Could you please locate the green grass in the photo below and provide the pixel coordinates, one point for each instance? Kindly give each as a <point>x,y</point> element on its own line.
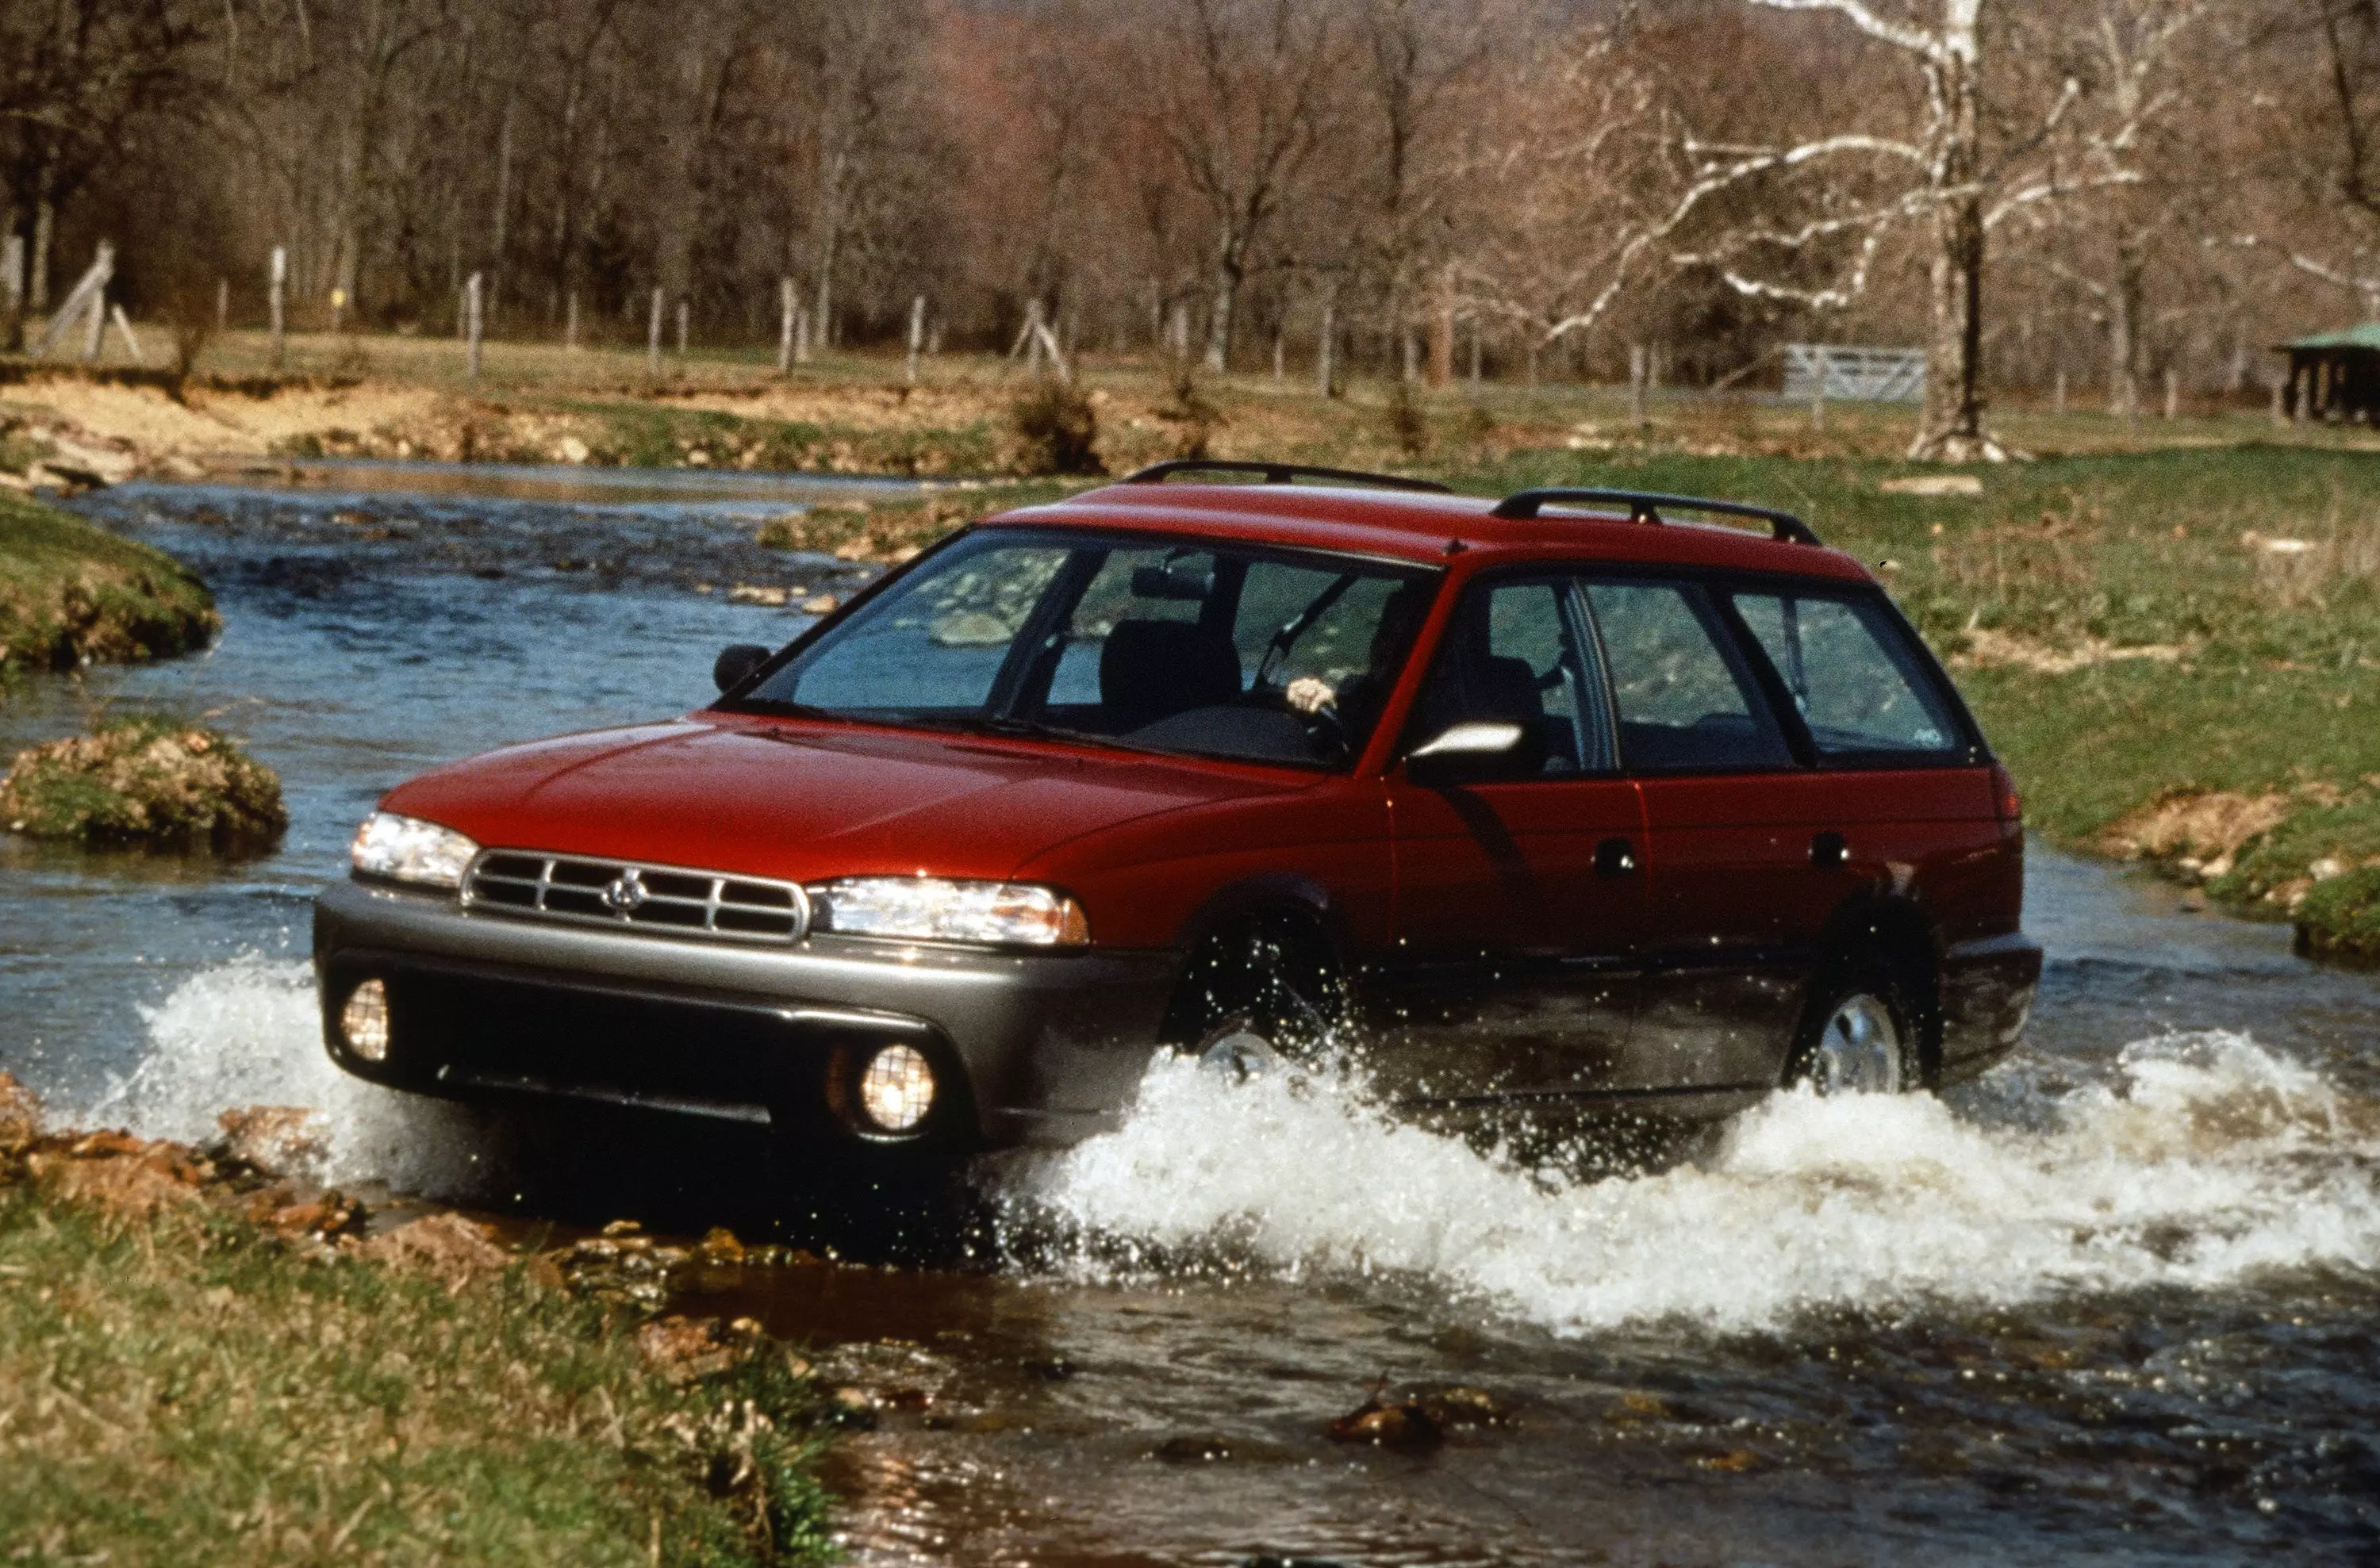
<point>71,592</point>
<point>186,1390</point>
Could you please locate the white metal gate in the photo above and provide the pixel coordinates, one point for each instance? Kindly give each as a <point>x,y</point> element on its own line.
<point>1854,375</point>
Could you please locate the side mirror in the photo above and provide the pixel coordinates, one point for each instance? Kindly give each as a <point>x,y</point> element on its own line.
<point>1472,738</point>
<point>1465,753</point>
<point>736,664</point>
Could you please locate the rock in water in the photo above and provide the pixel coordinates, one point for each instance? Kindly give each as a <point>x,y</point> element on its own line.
<point>148,781</point>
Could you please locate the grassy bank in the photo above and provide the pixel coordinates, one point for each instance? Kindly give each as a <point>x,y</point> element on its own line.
<point>73,593</point>
<point>184,1384</point>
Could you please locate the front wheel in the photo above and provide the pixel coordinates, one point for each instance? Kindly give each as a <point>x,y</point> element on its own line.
<point>1262,990</point>
<point>1856,1039</point>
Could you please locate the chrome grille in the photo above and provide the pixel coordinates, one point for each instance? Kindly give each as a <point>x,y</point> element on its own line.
<point>664,899</point>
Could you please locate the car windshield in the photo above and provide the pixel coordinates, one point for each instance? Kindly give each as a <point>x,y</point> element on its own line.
<point>1168,645</point>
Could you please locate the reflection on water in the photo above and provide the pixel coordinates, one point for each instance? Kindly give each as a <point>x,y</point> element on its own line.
<point>2116,1301</point>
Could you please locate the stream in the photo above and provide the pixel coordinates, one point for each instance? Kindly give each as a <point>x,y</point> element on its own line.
<point>2117,1301</point>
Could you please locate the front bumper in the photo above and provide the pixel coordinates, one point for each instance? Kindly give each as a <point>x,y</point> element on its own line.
<point>1031,1047</point>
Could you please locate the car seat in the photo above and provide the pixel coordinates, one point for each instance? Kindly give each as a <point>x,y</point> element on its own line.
<point>1153,669</point>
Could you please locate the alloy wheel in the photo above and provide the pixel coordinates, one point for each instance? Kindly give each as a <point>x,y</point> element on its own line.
<point>1859,1051</point>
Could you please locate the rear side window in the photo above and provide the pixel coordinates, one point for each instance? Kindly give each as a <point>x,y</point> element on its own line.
<point>1684,699</point>
<point>1853,678</point>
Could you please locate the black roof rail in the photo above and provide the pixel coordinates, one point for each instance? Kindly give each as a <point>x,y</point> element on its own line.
<point>1277,474</point>
<point>1646,506</point>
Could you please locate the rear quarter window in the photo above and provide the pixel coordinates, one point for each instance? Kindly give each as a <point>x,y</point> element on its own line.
<point>1686,699</point>
<point>1859,687</point>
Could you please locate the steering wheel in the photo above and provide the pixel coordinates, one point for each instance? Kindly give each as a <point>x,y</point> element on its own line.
<point>1325,724</point>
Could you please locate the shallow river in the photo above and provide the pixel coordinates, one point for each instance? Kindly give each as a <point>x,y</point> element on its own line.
<point>2118,1301</point>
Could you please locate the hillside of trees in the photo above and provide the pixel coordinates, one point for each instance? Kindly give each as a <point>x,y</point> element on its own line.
<point>2103,191</point>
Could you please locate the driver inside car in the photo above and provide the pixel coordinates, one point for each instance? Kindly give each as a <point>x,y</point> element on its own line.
<point>1357,703</point>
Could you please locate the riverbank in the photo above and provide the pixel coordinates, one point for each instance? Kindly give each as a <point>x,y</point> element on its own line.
<point>2166,626</point>
<point>206,1364</point>
<point>71,594</point>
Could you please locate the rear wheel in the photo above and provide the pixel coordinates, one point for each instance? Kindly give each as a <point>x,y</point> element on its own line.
<point>1856,1037</point>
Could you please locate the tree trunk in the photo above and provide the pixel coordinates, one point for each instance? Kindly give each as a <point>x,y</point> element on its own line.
<point>1227,298</point>
<point>1950,427</point>
<point>2124,338</point>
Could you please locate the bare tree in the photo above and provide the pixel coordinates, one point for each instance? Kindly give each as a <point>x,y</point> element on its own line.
<point>77,76</point>
<point>1239,89</point>
<point>1934,174</point>
<point>2128,190</point>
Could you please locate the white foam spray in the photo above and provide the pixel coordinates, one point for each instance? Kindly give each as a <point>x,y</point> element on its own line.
<point>247,1034</point>
<point>2201,1160</point>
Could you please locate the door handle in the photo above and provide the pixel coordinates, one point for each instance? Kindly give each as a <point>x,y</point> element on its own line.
<point>1615,857</point>
<point>1828,851</point>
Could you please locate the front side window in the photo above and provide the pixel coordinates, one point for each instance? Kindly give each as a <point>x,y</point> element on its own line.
<point>1176,646</point>
<point>1516,653</point>
<point>1852,678</point>
<point>1684,700</point>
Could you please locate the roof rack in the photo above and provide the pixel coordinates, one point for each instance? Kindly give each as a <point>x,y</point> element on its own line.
<point>1277,474</point>
<point>1646,507</point>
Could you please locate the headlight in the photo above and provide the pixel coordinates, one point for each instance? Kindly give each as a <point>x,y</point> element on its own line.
<point>932,909</point>
<point>406,848</point>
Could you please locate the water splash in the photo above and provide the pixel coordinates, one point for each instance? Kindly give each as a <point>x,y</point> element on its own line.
<point>247,1034</point>
<point>2198,1160</point>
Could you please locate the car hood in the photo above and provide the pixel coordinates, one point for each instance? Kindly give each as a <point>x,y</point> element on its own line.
<point>801,802</point>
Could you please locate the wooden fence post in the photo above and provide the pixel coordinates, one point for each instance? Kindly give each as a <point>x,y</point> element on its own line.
<point>1279,357</point>
<point>223,304</point>
<point>570,320</point>
<point>1441,332</point>
<point>786,309</point>
<point>1474,351</point>
<point>12,274</point>
<point>474,293</point>
<point>2281,408</point>
<point>2172,393</point>
<point>87,303</point>
<point>1326,352</point>
<point>684,311</point>
<point>917,335</point>
<point>801,334</point>
<point>653,337</point>
<point>1639,373</point>
<point>279,301</point>
<point>96,325</point>
<point>124,330</point>
<point>1032,337</point>
<point>2058,395</point>
<point>1818,392</point>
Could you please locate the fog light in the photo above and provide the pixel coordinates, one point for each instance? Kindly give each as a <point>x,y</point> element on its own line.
<point>896,1089</point>
<point>363,1022</point>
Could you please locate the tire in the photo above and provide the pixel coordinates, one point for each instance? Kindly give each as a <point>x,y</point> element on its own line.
<point>1858,1035</point>
<point>1263,989</point>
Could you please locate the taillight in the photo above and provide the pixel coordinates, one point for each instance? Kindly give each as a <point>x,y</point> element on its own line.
<point>2004,796</point>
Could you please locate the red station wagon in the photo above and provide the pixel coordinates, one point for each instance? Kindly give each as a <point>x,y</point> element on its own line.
<point>1546,807</point>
